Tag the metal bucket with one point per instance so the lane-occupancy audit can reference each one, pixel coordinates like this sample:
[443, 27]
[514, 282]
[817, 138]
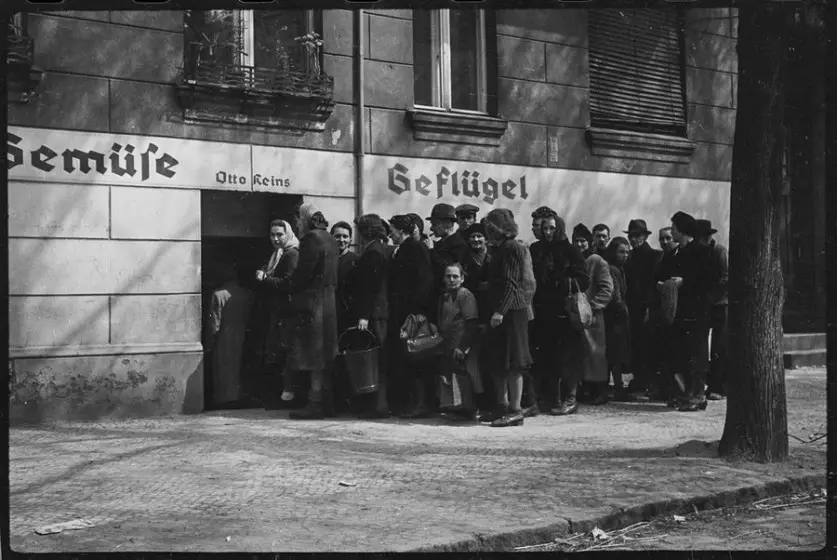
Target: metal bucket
[362, 364]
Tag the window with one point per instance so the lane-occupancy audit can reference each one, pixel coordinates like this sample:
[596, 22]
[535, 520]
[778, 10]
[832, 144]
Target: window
[246, 38]
[449, 53]
[260, 67]
[637, 84]
[454, 76]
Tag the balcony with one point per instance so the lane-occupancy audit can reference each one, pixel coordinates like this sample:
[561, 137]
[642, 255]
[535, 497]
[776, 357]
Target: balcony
[277, 98]
[22, 77]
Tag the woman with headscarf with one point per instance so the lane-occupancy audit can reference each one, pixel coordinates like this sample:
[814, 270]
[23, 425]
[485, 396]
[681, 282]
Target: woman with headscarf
[617, 317]
[370, 300]
[410, 286]
[511, 286]
[583, 239]
[557, 265]
[274, 309]
[314, 333]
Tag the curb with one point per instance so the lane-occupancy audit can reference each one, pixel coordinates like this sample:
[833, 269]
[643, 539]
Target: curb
[626, 517]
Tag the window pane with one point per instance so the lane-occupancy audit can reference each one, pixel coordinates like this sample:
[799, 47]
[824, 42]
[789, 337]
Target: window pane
[464, 59]
[423, 62]
[211, 36]
[274, 38]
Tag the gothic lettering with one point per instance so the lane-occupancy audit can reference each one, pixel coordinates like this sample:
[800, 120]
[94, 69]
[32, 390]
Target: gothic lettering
[398, 181]
[83, 161]
[441, 179]
[489, 189]
[121, 160]
[14, 155]
[422, 184]
[41, 157]
[508, 189]
[464, 183]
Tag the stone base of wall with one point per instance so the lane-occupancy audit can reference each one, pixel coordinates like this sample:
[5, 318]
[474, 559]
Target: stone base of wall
[86, 388]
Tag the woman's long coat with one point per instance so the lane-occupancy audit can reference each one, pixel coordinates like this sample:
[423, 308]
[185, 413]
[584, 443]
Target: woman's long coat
[313, 337]
[599, 294]
[618, 321]
[271, 314]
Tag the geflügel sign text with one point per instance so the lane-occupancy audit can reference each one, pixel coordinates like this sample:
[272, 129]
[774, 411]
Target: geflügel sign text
[461, 183]
[95, 158]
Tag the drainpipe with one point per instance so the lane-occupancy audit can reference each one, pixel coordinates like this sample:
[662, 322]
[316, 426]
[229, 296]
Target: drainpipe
[360, 118]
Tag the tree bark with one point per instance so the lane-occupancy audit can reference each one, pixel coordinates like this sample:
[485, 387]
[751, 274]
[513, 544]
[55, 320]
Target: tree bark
[756, 422]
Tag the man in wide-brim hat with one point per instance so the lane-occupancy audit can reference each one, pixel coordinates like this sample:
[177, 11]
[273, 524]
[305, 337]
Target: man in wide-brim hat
[719, 312]
[448, 248]
[691, 319]
[640, 279]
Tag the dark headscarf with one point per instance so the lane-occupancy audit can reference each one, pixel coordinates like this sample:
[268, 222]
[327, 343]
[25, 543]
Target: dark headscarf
[401, 222]
[583, 232]
[685, 223]
[476, 227]
[417, 221]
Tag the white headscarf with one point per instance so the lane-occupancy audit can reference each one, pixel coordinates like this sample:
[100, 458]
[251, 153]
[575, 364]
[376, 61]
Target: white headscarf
[290, 242]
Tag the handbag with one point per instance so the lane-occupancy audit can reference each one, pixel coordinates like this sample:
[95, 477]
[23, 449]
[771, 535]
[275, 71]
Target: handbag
[423, 341]
[578, 307]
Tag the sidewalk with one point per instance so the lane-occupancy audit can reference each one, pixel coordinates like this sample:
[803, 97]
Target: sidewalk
[271, 484]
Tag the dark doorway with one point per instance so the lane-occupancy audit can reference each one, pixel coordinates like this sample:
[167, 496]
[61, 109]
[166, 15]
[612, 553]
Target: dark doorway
[234, 233]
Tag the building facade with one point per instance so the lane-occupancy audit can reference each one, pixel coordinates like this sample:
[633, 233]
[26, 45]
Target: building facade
[147, 146]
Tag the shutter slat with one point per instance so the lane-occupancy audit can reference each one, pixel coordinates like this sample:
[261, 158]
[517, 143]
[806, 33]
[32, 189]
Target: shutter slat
[636, 73]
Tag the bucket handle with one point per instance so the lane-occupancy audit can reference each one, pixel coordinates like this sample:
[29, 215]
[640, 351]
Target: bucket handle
[370, 333]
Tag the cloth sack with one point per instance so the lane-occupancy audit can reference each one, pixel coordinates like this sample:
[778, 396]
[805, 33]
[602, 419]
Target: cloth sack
[455, 392]
[578, 307]
[668, 297]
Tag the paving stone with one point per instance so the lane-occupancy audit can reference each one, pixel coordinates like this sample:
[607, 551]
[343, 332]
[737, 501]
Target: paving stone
[184, 483]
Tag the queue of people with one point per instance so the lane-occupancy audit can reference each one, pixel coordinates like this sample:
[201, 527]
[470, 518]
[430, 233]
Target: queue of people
[508, 347]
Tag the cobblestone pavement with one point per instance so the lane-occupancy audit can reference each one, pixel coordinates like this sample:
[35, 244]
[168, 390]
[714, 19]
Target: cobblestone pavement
[187, 483]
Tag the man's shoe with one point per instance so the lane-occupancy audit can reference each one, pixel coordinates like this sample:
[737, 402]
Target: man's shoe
[312, 411]
[715, 396]
[566, 409]
[531, 411]
[510, 419]
[493, 415]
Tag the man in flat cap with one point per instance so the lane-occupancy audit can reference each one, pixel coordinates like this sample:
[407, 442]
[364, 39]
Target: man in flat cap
[718, 315]
[447, 248]
[694, 281]
[466, 216]
[639, 272]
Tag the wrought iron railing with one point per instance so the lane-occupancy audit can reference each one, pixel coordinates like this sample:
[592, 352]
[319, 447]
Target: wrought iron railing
[293, 83]
[21, 49]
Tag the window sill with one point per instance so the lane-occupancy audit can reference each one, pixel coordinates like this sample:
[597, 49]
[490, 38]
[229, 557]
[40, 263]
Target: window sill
[639, 145]
[457, 128]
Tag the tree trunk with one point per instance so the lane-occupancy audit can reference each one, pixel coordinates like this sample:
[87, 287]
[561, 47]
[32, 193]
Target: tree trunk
[756, 422]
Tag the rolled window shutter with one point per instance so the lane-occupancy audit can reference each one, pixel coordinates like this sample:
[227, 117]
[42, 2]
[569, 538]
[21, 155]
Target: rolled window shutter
[636, 70]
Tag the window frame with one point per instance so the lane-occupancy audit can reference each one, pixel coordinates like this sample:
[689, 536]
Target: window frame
[441, 75]
[247, 18]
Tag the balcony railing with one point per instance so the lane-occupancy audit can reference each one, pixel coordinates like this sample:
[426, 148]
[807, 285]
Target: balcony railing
[291, 83]
[20, 51]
